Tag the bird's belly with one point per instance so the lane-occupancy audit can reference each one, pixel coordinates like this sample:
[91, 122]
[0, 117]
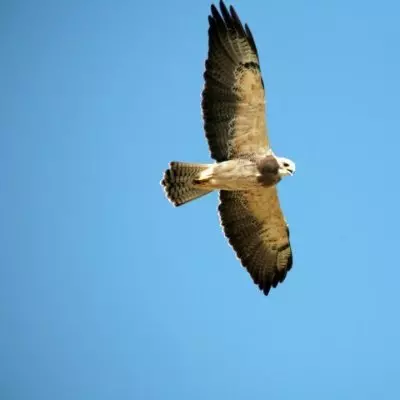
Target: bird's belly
[232, 175]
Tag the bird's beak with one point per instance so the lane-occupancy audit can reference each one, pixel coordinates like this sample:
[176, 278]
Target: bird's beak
[291, 172]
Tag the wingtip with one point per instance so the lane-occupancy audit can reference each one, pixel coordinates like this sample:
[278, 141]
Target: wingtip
[265, 289]
[214, 11]
[223, 7]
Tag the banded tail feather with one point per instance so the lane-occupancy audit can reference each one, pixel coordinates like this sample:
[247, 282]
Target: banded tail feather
[180, 182]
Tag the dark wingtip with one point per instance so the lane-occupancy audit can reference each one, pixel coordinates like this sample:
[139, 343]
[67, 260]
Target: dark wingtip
[230, 18]
[251, 38]
[266, 290]
[214, 11]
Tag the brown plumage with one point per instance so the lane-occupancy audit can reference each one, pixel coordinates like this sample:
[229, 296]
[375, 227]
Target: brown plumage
[246, 171]
[233, 96]
[179, 182]
[263, 248]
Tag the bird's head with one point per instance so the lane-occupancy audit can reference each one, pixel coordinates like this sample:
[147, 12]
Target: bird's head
[286, 166]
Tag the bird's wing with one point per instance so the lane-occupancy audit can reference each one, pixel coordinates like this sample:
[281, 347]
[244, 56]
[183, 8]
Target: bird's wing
[233, 99]
[256, 229]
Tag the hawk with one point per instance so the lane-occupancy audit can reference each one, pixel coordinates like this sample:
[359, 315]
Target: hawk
[246, 171]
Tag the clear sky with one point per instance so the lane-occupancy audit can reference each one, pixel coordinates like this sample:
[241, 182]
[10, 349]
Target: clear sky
[108, 292]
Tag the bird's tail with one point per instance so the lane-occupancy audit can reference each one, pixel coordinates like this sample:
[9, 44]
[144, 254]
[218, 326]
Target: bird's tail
[180, 182]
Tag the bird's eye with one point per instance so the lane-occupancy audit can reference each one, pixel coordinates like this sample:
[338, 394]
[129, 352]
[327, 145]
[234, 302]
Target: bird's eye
[285, 164]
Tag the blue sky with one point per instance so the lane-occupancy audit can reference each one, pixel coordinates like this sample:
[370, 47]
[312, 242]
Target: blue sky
[108, 292]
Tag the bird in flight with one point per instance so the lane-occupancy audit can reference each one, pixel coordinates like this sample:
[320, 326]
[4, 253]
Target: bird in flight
[245, 171]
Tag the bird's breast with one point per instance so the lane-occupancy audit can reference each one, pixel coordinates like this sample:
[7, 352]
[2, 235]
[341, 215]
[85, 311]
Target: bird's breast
[238, 174]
